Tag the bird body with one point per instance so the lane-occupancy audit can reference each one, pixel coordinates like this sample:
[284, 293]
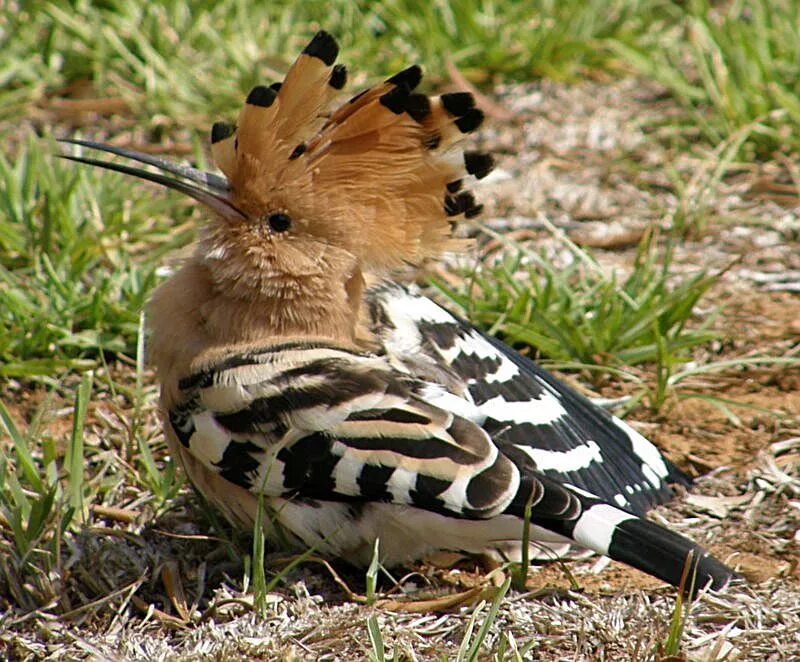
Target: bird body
[296, 369]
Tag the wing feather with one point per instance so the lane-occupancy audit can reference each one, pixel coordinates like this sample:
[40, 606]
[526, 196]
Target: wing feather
[321, 417]
[537, 421]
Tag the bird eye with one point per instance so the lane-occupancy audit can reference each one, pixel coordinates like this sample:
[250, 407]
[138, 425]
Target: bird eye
[279, 222]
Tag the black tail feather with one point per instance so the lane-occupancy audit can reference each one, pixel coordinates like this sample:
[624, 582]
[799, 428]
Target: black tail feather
[665, 554]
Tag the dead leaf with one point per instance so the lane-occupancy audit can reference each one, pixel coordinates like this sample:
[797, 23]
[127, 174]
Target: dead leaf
[444, 560]
[116, 514]
[441, 604]
[162, 616]
[718, 506]
[171, 578]
[620, 239]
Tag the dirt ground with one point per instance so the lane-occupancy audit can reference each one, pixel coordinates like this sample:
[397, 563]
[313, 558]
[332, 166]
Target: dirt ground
[596, 161]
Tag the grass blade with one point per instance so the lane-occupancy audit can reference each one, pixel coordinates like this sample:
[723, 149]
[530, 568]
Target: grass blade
[74, 456]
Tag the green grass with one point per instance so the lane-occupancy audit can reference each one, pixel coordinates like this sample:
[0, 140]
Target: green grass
[671, 646]
[177, 62]
[42, 495]
[473, 644]
[583, 318]
[470, 648]
[79, 249]
[730, 65]
[78, 253]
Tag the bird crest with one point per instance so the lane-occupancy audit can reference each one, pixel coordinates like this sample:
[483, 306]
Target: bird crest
[317, 196]
[378, 175]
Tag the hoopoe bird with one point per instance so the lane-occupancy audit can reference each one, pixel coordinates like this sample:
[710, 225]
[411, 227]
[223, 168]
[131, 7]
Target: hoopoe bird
[294, 369]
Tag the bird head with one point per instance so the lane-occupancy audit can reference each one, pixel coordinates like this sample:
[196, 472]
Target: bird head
[312, 195]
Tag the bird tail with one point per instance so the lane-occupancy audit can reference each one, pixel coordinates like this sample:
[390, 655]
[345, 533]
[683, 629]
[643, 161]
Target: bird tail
[668, 556]
[640, 543]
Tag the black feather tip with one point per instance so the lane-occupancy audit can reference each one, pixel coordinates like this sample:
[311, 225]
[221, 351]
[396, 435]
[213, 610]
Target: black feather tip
[418, 106]
[395, 99]
[470, 121]
[221, 130]
[338, 77]
[408, 78]
[458, 103]
[478, 163]
[324, 47]
[261, 96]
[459, 204]
[473, 211]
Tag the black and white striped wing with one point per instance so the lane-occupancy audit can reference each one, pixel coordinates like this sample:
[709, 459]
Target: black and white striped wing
[330, 424]
[534, 419]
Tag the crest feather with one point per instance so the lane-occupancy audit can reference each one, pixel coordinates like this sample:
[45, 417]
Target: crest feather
[378, 176]
[308, 87]
[255, 134]
[223, 138]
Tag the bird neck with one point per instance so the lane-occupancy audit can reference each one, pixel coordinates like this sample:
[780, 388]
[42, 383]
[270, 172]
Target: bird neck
[203, 311]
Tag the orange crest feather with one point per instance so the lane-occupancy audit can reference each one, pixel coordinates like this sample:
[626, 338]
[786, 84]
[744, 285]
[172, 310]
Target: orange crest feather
[378, 176]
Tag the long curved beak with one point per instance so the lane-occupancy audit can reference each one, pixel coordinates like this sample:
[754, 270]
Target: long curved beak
[208, 188]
